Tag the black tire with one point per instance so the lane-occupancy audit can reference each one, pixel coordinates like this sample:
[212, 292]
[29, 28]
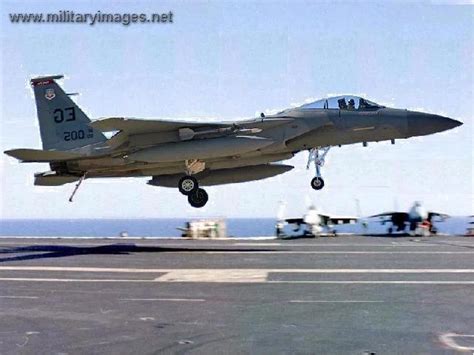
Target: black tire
[198, 198]
[187, 185]
[317, 183]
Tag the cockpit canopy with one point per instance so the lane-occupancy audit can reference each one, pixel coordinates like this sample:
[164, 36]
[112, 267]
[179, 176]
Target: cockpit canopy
[347, 102]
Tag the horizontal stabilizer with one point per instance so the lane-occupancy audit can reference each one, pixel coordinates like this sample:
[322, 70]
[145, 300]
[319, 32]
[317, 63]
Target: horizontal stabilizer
[41, 156]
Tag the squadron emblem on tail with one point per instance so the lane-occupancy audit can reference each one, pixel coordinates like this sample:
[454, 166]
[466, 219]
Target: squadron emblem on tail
[49, 94]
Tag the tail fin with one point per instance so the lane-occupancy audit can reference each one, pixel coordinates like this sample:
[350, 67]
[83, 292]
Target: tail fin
[63, 125]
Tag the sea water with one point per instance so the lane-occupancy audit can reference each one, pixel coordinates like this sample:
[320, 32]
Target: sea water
[236, 227]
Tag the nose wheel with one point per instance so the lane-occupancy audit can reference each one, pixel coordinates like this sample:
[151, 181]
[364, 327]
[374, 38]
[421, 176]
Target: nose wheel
[316, 156]
[317, 183]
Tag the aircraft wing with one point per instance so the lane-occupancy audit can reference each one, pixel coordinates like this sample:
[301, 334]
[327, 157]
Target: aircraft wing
[388, 214]
[394, 217]
[330, 220]
[326, 220]
[341, 220]
[404, 215]
[132, 126]
[139, 126]
[294, 220]
[178, 131]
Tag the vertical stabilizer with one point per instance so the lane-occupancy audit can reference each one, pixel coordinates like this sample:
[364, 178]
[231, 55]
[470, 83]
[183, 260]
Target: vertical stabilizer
[63, 125]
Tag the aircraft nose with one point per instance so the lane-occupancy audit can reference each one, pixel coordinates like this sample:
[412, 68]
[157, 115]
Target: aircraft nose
[420, 123]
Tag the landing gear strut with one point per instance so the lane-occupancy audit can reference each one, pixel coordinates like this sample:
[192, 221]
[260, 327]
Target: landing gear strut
[189, 185]
[316, 156]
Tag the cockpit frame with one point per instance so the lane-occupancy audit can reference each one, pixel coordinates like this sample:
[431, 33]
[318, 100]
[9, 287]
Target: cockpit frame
[346, 102]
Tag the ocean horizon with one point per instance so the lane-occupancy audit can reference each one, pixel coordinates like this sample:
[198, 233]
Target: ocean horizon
[168, 227]
[146, 227]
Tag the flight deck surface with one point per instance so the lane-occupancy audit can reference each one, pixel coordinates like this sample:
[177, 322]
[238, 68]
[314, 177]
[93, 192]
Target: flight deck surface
[355, 295]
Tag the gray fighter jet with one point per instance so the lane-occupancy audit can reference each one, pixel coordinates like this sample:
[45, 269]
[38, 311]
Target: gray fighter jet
[187, 155]
[413, 218]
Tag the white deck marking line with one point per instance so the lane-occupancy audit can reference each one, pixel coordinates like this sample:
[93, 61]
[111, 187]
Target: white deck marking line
[447, 339]
[389, 245]
[329, 301]
[233, 275]
[29, 279]
[23, 279]
[230, 252]
[227, 271]
[165, 299]
[81, 269]
[398, 282]
[215, 275]
[261, 275]
[20, 297]
[373, 271]
[257, 244]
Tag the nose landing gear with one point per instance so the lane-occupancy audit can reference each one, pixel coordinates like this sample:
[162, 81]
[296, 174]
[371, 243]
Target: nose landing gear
[317, 183]
[316, 156]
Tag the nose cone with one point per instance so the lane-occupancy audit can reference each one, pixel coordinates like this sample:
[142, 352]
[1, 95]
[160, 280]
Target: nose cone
[420, 124]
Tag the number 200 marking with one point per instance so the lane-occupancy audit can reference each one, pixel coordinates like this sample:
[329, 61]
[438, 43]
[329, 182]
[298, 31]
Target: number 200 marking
[74, 135]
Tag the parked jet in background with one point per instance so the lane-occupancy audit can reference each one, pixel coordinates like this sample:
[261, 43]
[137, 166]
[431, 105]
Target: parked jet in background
[312, 224]
[413, 219]
[187, 155]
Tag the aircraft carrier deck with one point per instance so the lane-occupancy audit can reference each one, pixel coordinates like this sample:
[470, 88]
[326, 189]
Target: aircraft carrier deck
[347, 295]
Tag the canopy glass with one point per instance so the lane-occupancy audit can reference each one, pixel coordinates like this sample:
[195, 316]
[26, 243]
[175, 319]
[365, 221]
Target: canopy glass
[347, 102]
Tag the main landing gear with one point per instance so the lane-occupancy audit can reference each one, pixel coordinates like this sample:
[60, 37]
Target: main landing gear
[316, 156]
[198, 198]
[189, 186]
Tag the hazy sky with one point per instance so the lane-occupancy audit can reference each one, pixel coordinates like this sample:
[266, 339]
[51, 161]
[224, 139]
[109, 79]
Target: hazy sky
[226, 60]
